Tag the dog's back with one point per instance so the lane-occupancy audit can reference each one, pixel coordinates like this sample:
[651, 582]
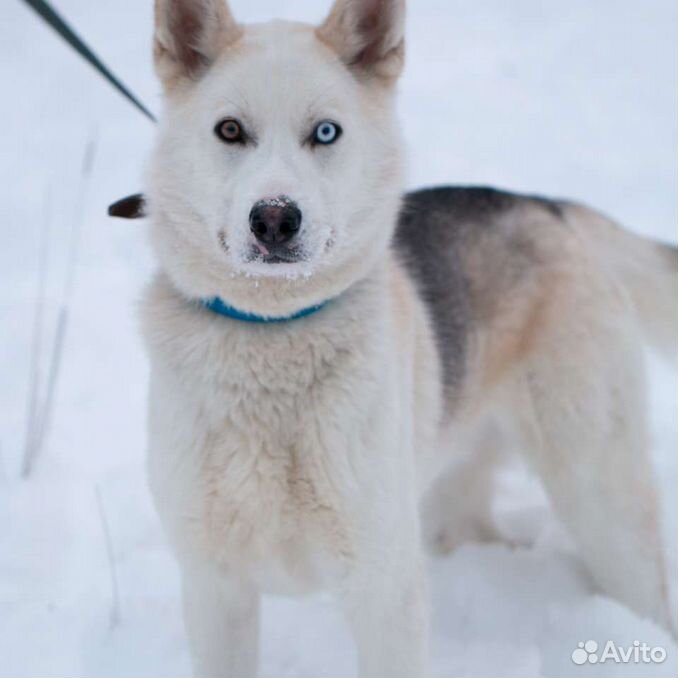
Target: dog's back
[487, 262]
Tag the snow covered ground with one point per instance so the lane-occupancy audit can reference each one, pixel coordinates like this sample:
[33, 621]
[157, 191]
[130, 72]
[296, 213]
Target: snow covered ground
[572, 98]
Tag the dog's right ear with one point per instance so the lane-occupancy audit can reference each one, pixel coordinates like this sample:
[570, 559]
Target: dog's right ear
[189, 35]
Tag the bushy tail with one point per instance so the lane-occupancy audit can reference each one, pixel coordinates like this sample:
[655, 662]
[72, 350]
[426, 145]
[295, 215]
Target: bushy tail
[649, 271]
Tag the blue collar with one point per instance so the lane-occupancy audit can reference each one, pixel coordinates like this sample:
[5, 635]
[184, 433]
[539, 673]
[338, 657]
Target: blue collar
[218, 306]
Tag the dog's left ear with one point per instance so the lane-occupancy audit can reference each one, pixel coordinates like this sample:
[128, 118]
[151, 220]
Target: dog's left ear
[189, 35]
[368, 35]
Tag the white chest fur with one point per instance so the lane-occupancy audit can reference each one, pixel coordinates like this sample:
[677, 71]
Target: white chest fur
[263, 437]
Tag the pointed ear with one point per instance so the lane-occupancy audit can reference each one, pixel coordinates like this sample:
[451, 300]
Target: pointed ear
[368, 35]
[189, 35]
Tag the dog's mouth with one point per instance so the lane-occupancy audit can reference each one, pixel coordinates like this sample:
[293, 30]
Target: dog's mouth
[275, 259]
[275, 255]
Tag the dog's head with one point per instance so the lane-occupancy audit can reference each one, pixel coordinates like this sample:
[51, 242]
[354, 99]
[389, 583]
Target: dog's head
[276, 176]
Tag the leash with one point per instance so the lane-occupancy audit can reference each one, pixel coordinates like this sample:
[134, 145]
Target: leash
[134, 206]
[51, 17]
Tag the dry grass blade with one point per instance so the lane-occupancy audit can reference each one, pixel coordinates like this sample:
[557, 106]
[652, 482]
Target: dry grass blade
[110, 555]
[32, 407]
[39, 423]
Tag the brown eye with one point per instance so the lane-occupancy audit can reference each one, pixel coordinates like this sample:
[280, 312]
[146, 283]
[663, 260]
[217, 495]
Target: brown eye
[230, 131]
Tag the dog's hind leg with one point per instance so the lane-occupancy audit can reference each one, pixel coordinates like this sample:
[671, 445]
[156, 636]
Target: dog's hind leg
[584, 413]
[222, 623]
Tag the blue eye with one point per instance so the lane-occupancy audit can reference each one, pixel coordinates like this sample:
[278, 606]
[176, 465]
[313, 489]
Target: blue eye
[326, 133]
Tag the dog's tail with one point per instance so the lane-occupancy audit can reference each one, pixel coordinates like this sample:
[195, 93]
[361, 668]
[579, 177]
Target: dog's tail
[648, 270]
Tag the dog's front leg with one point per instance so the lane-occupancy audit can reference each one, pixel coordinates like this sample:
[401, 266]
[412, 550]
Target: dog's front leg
[222, 623]
[388, 609]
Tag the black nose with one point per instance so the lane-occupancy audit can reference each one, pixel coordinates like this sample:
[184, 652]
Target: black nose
[275, 221]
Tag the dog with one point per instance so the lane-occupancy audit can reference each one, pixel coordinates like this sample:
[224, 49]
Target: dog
[323, 348]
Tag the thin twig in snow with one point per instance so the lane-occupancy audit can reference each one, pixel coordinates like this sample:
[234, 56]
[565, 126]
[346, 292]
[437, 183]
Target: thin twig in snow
[32, 414]
[74, 247]
[110, 555]
[69, 286]
[52, 378]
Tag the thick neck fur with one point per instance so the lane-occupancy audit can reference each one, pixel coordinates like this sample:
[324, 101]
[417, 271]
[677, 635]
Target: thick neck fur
[282, 357]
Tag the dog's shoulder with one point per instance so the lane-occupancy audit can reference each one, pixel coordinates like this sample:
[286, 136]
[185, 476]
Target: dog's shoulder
[466, 248]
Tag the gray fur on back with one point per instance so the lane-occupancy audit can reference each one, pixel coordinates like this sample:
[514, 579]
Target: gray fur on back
[436, 228]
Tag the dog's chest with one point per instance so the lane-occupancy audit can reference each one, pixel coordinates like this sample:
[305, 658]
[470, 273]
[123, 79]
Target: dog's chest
[271, 508]
[267, 484]
[258, 471]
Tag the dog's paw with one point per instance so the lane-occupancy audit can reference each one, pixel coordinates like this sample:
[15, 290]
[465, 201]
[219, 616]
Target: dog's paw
[445, 538]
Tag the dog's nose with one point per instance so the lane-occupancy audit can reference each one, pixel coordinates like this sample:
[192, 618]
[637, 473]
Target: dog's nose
[275, 221]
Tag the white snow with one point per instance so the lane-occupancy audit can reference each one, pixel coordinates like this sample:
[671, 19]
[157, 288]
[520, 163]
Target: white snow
[575, 99]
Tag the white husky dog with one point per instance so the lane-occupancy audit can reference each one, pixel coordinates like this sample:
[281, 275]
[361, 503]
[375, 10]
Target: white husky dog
[321, 346]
